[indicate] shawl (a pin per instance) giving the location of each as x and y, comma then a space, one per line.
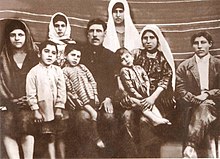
131, 39
163, 47
53, 36
6, 60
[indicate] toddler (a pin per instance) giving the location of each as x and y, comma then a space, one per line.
81, 84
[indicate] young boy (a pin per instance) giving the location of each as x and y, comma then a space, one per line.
46, 92
136, 83
81, 84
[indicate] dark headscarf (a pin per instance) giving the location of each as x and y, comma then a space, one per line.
6, 57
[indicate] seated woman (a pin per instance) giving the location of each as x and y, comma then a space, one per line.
18, 56
156, 58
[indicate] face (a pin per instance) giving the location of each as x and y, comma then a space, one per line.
201, 46
127, 59
48, 55
60, 28
96, 34
17, 38
149, 41
73, 57
118, 15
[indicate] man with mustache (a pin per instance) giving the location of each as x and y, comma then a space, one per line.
198, 92
100, 61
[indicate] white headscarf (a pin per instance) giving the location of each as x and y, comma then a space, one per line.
53, 36
131, 39
163, 47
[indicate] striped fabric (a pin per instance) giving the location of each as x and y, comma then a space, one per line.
178, 19
80, 82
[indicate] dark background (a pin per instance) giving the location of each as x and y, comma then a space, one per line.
178, 19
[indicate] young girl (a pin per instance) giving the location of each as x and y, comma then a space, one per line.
59, 33
136, 83
81, 84
46, 93
18, 56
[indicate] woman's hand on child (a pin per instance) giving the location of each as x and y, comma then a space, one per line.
38, 117
58, 114
148, 102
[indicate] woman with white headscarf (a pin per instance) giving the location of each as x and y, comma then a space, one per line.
157, 60
127, 35
59, 33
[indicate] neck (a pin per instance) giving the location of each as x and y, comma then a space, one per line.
152, 51
120, 28
18, 51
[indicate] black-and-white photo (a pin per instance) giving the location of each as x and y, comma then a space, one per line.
109, 79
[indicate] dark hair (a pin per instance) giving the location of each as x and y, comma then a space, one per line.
96, 21
71, 47
204, 34
120, 52
59, 17
151, 32
45, 43
117, 5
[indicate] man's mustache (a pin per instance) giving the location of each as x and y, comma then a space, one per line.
95, 39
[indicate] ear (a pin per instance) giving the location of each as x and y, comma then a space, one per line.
105, 33
210, 44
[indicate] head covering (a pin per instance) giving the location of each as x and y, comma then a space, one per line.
163, 47
131, 39
53, 36
6, 74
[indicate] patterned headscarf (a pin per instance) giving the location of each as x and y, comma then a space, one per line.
163, 47
131, 39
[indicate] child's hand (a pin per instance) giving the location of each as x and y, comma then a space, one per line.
96, 100
38, 118
58, 114
79, 102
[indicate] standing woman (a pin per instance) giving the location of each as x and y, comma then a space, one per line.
156, 58
18, 56
59, 33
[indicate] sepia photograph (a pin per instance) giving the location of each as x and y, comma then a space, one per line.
109, 79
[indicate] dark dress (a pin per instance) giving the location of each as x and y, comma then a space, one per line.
160, 75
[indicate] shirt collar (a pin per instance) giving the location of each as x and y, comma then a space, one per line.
203, 59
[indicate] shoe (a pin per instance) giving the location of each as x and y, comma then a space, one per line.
189, 152
100, 144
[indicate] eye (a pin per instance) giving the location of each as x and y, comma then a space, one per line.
121, 11
152, 37
46, 50
203, 42
91, 30
54, 52
56, 25
63, 25
20, 34
99, 30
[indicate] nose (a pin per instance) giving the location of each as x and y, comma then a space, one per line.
16, 37
59, 28
199, 45
94, 33
117, 13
